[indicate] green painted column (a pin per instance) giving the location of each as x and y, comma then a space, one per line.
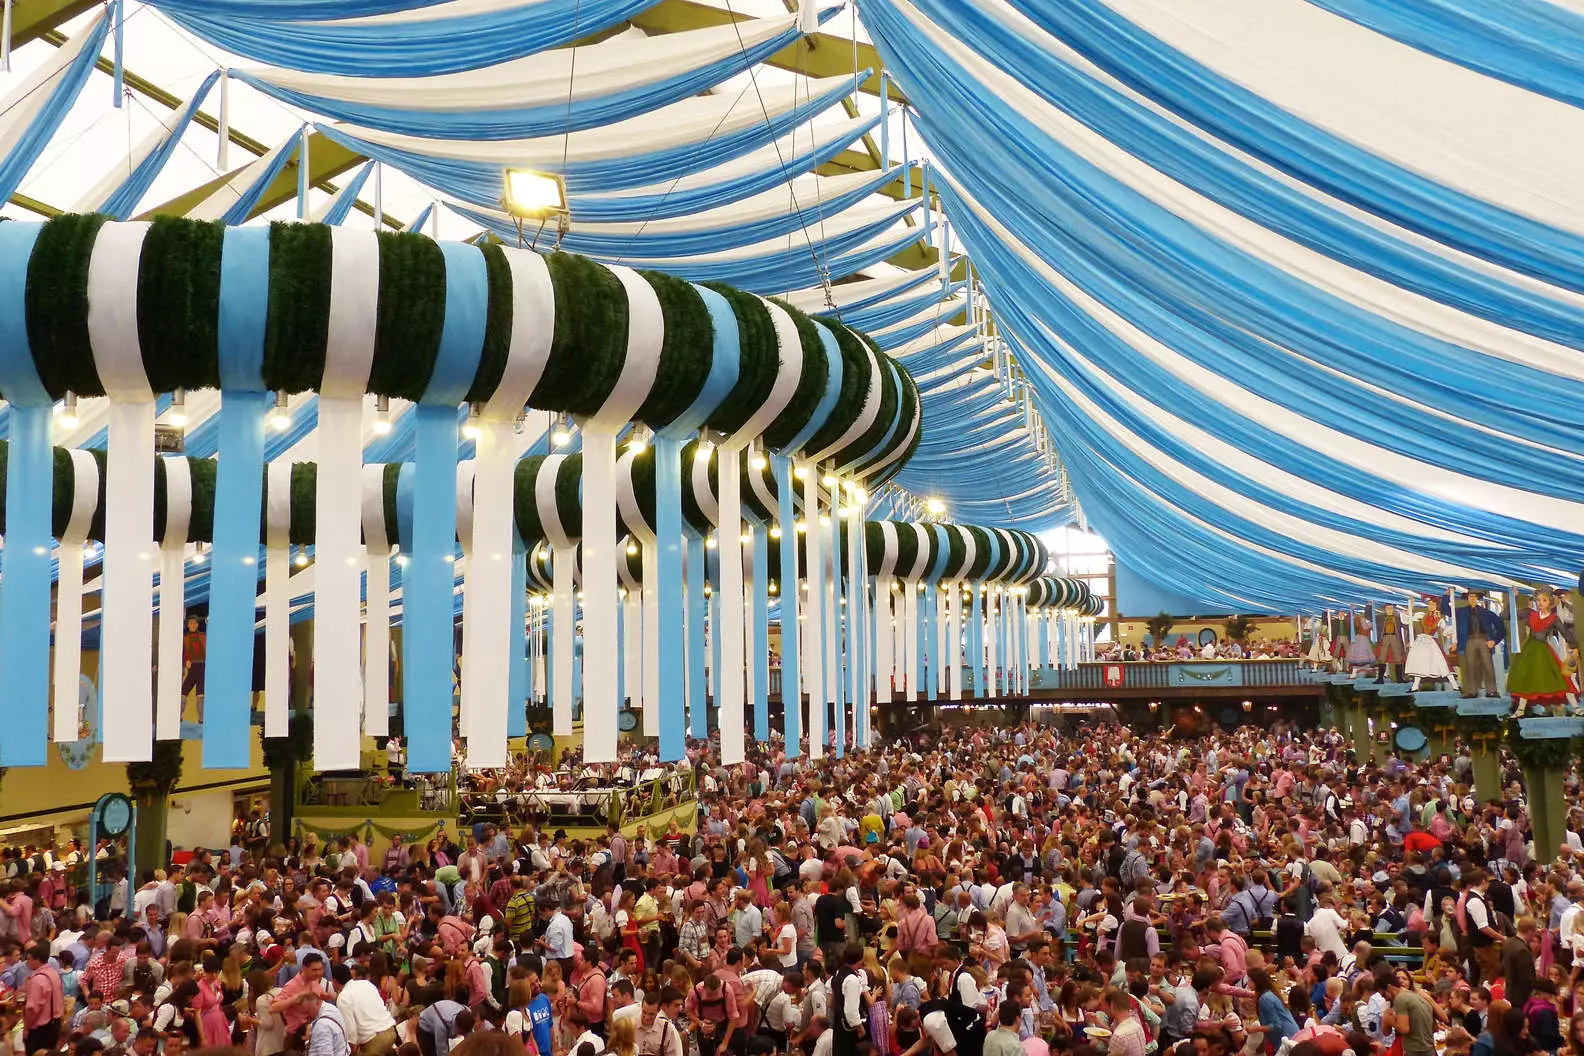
1547, 808
1363, 743
1487, 771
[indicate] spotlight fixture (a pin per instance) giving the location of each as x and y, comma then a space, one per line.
472, 429
775, 531
829, 480
801, 472
709, 543
935, 506
534, 195
280, 417
561, 435
757, 461
382, 422
301, 560
632, 549
68, 411
178, 409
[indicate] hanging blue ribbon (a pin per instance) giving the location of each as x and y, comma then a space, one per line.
30, 468
428, 644
233, 589
519, 685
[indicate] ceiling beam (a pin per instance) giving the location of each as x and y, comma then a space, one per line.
32, 19
818, 55
327, 160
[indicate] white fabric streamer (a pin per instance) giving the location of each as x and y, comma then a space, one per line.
277, 599
68, 597
486, 612
729, 546
172, 598
127, 630
562, 629
376, 626
813, 632
338, 490
650, 631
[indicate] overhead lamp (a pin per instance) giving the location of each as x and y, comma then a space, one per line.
824, 521
1248, 705
632, 548
198, 554
829, 480
280, 416
534, 195
68, 411
801, 472
709, 543
561, 435
746, 537
472, 430
800, 526
178, 409
935, 506
382, 422
775, 531
637, 441
708, 590
301, 560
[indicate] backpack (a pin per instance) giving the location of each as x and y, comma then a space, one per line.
1303, 897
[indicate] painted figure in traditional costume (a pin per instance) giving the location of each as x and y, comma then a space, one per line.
1427, 660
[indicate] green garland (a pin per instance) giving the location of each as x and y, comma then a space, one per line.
854, 388
758, 362
981, 561
1539, 752
907, 551
912, 408
178, 294
295, 747
178, 284
686, 353
57, 305
956, 553
810, 387
160, 775
590, 343
412, 308
298, 323
497, 328
692, 512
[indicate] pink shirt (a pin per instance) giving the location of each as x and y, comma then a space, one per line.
1234, 956
46, 1001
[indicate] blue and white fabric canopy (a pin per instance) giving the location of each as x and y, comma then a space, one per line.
1296, 283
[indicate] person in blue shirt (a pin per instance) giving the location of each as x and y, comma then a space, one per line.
1275, 1021
530, 1014
441, 1022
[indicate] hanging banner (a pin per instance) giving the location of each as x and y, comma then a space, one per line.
126, 627
171, 671
277, 599
376, 605
68, 597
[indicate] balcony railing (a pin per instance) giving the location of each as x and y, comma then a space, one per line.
1189, 675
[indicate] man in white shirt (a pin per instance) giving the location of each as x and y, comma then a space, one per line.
368, 1022
1326, 928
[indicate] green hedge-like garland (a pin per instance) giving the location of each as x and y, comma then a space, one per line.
907, 551
685, 355
758, 361
811, 384
854, 388
178, 293
1538, 752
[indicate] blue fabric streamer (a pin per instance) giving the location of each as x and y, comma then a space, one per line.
697, 688
235, 568
20, 156
124, 199
428, 641
520, 684
480, 183
418, 48
30, 469
346, 198
537, 120
243, 207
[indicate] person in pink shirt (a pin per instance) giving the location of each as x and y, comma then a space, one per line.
45, 1002
1234, 951
477, 981
453, 933
19, 908
292, 1003
589, 982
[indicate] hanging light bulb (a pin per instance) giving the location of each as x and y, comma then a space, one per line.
178, 409
775, 531
801, 473
746, 537
800, 526
68, 411
757, 460
709, 543
638, 440
708, 590
472, 429
301, 560
775, 589
280, 417
198, 554
632, 548
935, 506
382, 422
561, 435
829, 480
824, 521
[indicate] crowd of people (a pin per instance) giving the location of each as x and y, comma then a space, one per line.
1013, 892
1182, 649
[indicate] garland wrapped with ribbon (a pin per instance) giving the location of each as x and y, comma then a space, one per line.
135, 310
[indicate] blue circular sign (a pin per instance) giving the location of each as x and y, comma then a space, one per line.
1411, 739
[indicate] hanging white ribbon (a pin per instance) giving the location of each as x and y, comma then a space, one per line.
954, 608
376, 625
172, 598
563, 577
127, 630
338, 504
68, 597
223, 153
641, 363
277, 599
487, 540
